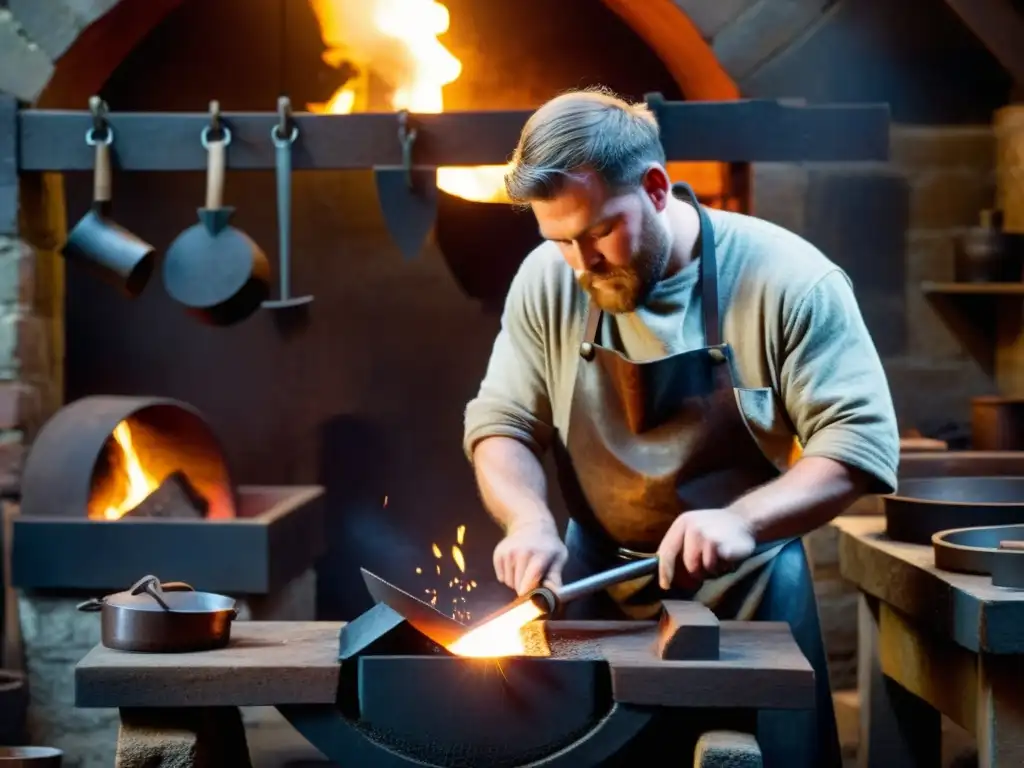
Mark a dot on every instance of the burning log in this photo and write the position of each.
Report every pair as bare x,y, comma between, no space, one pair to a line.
175,497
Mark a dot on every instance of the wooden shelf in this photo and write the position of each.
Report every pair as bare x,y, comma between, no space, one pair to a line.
986,318
974,289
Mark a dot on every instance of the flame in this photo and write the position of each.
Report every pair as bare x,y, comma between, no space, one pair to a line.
398,40
137,482
500,636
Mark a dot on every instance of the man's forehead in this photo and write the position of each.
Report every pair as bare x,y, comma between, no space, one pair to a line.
580,204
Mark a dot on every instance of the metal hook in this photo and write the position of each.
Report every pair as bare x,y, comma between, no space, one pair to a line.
407,137
216,128
101,132
280,133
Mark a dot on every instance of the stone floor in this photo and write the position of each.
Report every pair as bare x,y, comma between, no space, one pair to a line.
275,744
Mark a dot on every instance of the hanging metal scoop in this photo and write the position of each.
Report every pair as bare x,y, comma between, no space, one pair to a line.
407,196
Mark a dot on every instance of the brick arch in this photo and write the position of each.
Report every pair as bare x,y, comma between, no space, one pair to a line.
63,50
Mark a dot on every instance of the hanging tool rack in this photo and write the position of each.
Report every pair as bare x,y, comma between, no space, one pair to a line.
729,131
403,149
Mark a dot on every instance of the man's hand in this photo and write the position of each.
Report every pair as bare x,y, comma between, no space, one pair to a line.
530,552
703,543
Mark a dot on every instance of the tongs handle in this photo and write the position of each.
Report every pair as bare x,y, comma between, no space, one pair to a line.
605,579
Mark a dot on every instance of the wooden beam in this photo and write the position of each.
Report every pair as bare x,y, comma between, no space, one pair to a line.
8,165
728,131
1000,26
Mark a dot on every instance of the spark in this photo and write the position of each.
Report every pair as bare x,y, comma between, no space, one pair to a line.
419,570
436,550
460,535
385,501
459,558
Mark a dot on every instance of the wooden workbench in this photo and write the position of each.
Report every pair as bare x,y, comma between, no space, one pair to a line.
187,698
952,643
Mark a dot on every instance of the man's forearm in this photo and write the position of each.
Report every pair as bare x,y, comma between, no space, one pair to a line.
511,481
810,494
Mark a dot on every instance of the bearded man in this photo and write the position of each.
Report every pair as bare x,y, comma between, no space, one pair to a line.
671,355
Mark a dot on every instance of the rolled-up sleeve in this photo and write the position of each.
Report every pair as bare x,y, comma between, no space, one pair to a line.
834,386
513,400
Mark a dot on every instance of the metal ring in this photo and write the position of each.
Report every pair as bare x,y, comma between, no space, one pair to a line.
92,141
275,136
205,136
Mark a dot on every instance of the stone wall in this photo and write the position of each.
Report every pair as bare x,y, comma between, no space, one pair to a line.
31,321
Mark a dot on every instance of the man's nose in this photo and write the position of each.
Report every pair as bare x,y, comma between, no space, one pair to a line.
588,255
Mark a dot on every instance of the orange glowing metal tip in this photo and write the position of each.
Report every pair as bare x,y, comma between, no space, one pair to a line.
498,636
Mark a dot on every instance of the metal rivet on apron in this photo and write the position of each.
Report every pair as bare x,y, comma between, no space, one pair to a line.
716,355
587,350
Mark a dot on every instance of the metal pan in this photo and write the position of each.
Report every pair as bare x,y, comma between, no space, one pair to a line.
96,242
996,551
442,629
926,505
163,618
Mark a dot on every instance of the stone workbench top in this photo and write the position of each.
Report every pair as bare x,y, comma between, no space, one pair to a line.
278,663
963,607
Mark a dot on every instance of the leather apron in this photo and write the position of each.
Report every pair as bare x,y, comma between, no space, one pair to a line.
648,441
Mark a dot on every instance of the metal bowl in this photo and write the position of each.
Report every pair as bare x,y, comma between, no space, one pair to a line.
926,505
978,551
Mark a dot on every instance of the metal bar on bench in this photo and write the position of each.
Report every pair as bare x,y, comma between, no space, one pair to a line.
726,131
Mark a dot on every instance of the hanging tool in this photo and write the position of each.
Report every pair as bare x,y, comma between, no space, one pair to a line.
104,248
284,135
407,195
212,268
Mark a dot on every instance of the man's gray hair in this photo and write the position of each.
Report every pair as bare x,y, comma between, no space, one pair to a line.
591,129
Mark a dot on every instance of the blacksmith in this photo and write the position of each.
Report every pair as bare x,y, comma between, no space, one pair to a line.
704,378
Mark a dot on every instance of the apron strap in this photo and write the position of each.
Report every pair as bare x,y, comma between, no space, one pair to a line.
708,269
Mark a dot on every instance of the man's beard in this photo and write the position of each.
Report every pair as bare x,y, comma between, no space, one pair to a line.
622,289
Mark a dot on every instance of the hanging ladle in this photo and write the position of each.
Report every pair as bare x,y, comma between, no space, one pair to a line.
284,135
103,248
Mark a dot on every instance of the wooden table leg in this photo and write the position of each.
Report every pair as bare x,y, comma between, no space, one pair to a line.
999,727
201,737
896,727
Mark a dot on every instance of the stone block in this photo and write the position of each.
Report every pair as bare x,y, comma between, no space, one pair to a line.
766,28
25,68
54,24
929,257
949,198
17,272
778,193
709,18
858,218
32,345
727,749
917,148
